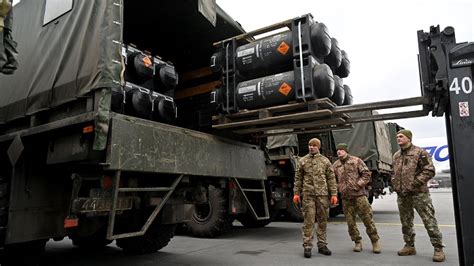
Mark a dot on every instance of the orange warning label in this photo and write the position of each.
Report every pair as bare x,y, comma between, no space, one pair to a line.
147,61
285,89
283,48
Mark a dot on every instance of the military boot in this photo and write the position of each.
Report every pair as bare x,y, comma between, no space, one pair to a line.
358,246
376,247
438,255
407,251
325,251
307,252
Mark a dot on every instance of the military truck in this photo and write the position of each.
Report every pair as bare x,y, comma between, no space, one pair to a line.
90,142
370,141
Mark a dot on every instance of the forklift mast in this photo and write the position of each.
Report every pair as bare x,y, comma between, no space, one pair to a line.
446,74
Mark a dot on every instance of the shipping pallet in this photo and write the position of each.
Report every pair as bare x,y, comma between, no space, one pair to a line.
304,117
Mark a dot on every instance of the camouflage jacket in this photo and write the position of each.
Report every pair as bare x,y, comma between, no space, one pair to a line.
352,176
412,168
314,176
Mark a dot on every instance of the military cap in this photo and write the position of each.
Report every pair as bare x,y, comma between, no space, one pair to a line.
314,142
407,133
342,146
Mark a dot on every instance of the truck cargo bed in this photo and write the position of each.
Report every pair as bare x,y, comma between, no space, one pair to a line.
147,146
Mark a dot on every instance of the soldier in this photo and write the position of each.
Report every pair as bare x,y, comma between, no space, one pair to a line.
5,7
352,177
315,179
8,52
412,170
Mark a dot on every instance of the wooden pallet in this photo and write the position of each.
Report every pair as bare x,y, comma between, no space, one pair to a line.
304,116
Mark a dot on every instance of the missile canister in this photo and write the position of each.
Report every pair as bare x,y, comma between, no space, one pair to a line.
139,66
274,54
348,100
323,80
345,68
268,91
143,103
164,109
165,77
339,93
335,56
280,88
321,46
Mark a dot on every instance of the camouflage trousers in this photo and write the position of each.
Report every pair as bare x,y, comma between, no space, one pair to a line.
421,202
315,208
359,206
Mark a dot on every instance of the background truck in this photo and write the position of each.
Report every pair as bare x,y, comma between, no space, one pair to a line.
92,142
371,141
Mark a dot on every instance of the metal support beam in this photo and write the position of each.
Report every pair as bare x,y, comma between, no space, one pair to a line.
381,105
392,116
251,34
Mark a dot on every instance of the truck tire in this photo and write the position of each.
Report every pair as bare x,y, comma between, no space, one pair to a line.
247,219
4,206
210,219
95,241
333,212
293,211
371,199
154,239
27,253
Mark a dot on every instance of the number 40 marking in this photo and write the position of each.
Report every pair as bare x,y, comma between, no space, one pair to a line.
466,85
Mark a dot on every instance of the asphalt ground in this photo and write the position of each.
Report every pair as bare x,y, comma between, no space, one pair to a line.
279,243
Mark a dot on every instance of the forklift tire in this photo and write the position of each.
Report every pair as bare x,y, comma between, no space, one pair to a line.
210,219
153,240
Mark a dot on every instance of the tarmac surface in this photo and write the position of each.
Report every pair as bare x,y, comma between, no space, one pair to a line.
279,243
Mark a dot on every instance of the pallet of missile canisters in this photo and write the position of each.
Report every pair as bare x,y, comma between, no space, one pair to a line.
148,87
289,80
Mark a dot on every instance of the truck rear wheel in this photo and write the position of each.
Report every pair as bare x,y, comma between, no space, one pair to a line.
371,199
248,220
333,212
293,211
210,219
157,237
95,241
27,253
4,204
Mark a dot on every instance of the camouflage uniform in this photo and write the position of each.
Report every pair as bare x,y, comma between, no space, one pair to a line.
352,176
412,170
316,181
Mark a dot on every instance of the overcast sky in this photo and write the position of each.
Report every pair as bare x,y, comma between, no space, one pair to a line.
379,37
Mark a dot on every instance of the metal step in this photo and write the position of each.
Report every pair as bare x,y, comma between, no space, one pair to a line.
262,190
117,190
